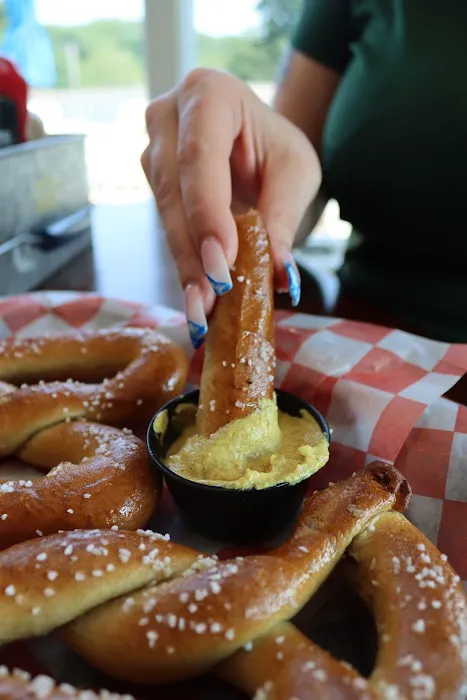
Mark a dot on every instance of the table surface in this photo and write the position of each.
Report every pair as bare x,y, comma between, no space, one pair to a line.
130,260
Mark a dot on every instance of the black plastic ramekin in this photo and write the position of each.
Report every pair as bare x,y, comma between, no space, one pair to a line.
232,515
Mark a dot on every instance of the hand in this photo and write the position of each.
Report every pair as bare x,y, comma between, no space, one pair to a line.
214,147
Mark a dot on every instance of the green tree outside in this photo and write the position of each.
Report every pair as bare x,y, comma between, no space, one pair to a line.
110,53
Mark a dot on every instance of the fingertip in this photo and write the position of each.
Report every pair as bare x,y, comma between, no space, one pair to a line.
287,276
209,297
215,266
230,239
294,281
195,315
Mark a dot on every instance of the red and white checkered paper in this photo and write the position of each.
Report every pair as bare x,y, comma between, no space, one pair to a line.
379,388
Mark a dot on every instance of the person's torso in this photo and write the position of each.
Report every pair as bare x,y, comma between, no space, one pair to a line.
395,141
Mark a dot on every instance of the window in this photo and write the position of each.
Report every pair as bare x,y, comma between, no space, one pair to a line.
102,71
234,37
99,86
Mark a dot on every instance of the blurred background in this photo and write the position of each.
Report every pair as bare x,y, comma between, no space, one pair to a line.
104,76
91,67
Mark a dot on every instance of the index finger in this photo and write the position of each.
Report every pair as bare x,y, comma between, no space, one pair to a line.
209,123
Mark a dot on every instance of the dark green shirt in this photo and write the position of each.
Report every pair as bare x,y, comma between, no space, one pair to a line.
394,150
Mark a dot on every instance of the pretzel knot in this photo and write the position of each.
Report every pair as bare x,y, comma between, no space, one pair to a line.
145,370
100,476
143,609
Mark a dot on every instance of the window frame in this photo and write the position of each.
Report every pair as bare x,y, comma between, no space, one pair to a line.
170,43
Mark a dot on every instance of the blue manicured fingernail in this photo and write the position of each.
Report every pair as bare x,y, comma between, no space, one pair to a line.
197,334
295,285
220,288
196,318
215,266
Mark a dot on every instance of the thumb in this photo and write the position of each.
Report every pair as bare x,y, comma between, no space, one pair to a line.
290,182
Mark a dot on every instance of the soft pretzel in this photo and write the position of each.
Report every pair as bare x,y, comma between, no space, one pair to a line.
420,609
20,685
285,664
143,609
121,377
6,388
99,477
200,611
239,359
421,616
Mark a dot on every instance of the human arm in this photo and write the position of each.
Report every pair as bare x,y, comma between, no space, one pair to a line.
212,142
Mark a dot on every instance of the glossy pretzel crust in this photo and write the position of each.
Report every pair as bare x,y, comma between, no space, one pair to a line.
117,377
239,361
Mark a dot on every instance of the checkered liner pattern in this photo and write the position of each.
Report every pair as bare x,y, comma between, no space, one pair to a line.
379,389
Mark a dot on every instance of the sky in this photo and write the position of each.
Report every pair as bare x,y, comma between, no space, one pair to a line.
215,17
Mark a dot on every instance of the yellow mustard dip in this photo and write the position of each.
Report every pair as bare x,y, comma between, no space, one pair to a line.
265,448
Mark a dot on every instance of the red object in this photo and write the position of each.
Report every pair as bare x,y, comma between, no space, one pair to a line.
14,94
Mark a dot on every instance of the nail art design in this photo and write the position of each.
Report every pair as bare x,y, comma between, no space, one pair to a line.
295,285
197,333
215,266
220,288
196,318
